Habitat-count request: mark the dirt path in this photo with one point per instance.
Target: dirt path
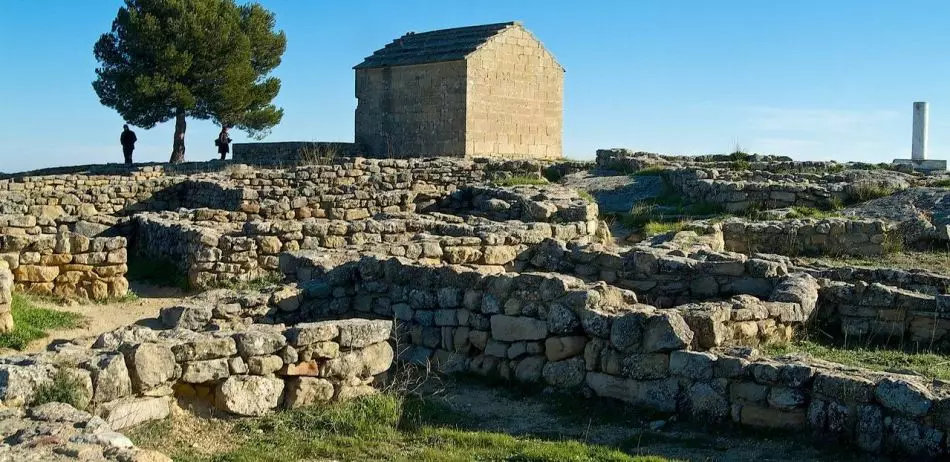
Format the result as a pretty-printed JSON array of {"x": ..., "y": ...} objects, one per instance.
[
  {"x": 613, "y": 424},
  {"x": 101, "y": 318}
]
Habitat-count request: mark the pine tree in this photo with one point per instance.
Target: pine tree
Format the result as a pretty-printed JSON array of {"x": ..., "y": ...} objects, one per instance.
[{"x": 204, "y": 59}]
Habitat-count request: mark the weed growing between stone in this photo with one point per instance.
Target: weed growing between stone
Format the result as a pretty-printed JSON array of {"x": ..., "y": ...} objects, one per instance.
[
  {"x": 32, "y": 322},
  {"x": 520, "y": 181},
  {"x": 64, "y": 388},
  {"x": 380, "y": 427},
  {"x": 258, "y": 283}
]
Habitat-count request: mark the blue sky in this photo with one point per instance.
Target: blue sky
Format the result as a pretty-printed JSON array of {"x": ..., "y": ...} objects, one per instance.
[{"x": 813, "y": 79}]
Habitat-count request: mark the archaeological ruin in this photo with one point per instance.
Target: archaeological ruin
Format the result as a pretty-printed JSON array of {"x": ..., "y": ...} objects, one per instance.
[{"x": 511, "y": 269}]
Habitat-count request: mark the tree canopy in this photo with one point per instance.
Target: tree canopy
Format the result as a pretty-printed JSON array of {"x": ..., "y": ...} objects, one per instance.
[{"x": 204, "y": 59}]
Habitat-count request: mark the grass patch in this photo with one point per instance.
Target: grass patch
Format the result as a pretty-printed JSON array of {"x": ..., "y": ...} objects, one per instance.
[
  {"x": 31, "y": 322},
  {"x": 380, "y": 427},
  {"x": 944, "y": 183},
  {"x": 520, "y": 181},
  {"x": 864, "y": 192},
  {"x": 880, "y": 359},
  {"x": 64, "y": 388},
  {"x": 157, "y": 272},
  {"x": 811, "y": 212},
  {"x": 651, "y": 171},
  {"x": 586, "y": 196},
  {"x": 268, "y": 279},
  {"x": 937, "y": 261},
  {"x": 653, "y": 228}
]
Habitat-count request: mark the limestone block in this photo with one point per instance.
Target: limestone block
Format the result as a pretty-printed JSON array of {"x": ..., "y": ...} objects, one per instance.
[
  {"x": 129, "y": 412},
  {"x": 249, "y": 395},
  {"x": 306, "y": 391}
]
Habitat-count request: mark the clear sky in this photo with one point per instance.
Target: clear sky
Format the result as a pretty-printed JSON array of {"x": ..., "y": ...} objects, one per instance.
[{"x": 813, "y": 79}]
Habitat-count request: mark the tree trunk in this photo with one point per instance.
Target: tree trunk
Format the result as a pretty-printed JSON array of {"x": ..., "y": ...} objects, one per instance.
[{"x": 178, "y": 144}]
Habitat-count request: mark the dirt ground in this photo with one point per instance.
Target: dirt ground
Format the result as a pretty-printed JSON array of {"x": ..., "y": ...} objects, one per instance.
[{"x": 99, "y": 318}]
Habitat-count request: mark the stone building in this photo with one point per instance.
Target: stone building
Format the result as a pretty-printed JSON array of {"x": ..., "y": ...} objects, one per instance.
[{"x": 481, "y": 91}]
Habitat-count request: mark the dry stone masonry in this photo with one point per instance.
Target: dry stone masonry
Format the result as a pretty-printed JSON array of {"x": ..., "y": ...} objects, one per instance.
[{"x": 428, "y": 261}]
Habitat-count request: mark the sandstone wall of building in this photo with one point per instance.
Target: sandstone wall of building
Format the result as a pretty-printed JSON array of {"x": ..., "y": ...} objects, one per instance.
[
  {"x": 514, "y": 99},
  {"x": 408, "y": 111}
]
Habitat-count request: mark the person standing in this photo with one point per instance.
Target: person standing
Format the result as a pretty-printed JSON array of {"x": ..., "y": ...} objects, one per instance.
[
  {"x": 223, "y": 141},
  {"x": 128, "y": 140}
]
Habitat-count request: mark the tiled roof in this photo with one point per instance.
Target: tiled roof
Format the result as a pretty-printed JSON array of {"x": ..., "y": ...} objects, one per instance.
[{"x": 434, "y": 46}]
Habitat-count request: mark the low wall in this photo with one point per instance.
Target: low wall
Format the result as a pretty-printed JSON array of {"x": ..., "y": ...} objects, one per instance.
[
  {"x": 595, "y": 339},
  {"x": 291, "y": 152},
  {"x": 828, "y": 236},
  {"x": 67, "y": 265},
  {"x": 129, "y": 375}
]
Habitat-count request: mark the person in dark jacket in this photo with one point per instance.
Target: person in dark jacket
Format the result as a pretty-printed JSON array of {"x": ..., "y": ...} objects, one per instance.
[
  {"x": 128, "y": 140},
  {"x": 223, "y": 141}
]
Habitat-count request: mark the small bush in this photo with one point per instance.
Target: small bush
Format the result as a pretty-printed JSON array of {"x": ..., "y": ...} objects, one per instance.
[
  {"x": 319, "y": 154},
  {"x": 740, "y": 165},
  {"x": 31, "y": 322},
  {"x": 64, "y": 388},
  {"x": 520, "y": 181}
]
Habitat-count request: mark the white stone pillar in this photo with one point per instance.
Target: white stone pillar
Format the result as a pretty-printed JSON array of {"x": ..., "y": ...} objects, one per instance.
[{"x": 919, "y": 147}]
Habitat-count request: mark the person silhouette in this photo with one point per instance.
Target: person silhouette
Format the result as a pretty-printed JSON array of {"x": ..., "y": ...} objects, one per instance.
[
  {"x": 128, "y": 140},
  {"x": 223, "y": 141}
]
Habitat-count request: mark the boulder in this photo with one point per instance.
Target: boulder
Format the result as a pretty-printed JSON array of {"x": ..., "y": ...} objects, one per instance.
[
  {"x": 150, "y": 365},
  {"x": 305, "y": 391},
  {"x": 257, "y": 342},
  {"x": 517, "y": 328},
  {"x": 193, "y": 316},
  {"x": 358, "y": 333},
  {"x": 110, "y": 377},
  {"x": 127, "y": 412},
  {"x": 666, "y": 331},
  {"x": 564, "y": 374}
]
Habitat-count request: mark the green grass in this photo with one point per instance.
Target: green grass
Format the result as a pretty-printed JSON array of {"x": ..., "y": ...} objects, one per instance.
[
  {"x": 519, "y": 181},
  {"x": 381, "y": 427},
  {"x": 586, "y": 196},
  {"x": 157, "y": 272},
  {"x": 268, "y": 279},
  {"x": 31, "y": 322},
  {"x": 944, "y": 183},
  {"x": 868, "y": 191},
  {"x": 811, "y": 212},
  {"x": 653, "y": 228},
  {"x": 880, "y": 359},
  {"x": 64, "y": 388}
]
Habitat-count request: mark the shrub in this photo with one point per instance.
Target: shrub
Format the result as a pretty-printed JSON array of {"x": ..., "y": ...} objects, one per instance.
[
  {"x": 319, "y": 154},
  {"x": 863, "y": 192},
  {"x": 64, "y": 388}
]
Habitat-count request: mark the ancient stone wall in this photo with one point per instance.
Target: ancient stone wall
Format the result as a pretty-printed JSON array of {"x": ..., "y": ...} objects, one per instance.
[
  {"x": 827, "y": 236},
  {"x": 289, "y": 153},
  {"x": 130, "y": 373},
  {"x": 6, "y": 297},
  {"x": 215, "y": 247},
  {"x": 593, "y": 338},
  {"x": 514, "y": 98},
  {"x": 417, "y": 110},
  {"x": 67, "y": 264}
]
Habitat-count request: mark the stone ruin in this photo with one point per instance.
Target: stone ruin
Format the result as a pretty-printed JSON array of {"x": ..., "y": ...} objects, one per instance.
[{"x": 427, "y": 261}]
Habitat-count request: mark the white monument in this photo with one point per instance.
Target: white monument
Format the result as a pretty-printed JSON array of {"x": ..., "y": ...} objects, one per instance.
[{"x": 918, "y": 151}]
